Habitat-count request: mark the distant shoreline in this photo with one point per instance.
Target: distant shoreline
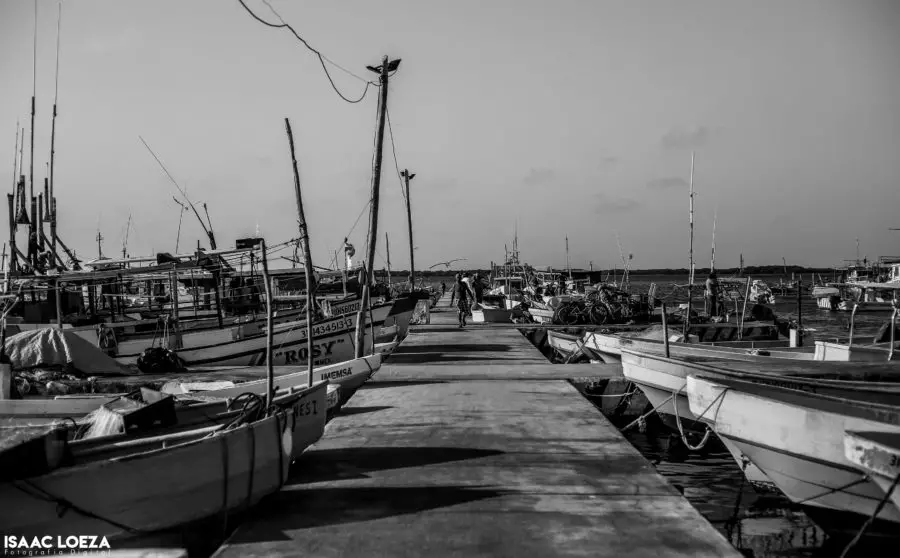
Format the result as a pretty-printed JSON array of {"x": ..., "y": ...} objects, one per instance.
[{"x": 750, "y": 270}]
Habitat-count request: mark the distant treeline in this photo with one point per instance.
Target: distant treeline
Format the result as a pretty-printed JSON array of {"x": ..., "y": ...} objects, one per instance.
[{"x": 748, "y": 270}]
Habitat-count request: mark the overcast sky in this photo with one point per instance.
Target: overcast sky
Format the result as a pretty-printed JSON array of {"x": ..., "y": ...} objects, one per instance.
[{"x": 574, "y": 117}]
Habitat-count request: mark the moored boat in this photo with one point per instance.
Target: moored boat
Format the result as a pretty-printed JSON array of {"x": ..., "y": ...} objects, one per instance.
[
  {"x": 877, "y": 454},
  {"x": 144, "y": 485},
  {"x": 796, "y": 439}
]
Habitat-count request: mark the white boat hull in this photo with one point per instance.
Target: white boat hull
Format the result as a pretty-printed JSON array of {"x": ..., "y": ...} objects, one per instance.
[
  {"x": 349, "y": 375},
  {"x": 878, "y": 455},
  {"x": 799, "y": 448},
  {"x": 660, "y": 382},
  {"x": 148, "y": 487}
]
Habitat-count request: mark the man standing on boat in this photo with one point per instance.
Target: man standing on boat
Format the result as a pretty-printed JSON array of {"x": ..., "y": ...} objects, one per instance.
[
  {"x": 463, "y": 295},
  {"x": 712, "y": 294},
  {"x": 478, "y": 288}
]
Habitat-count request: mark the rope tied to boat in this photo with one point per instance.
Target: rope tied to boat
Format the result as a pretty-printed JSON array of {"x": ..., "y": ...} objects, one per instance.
[
  {"x": 641, "y": 419},
  {"x": 871, "y": 519},
  {"x": 63, "y": 505},
  {"x": 706, "y": 434},
  {"x": 862, "y": 479}
]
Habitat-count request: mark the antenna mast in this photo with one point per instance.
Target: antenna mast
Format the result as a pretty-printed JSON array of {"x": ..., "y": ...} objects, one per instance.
[{"x": 712, "y": 261}]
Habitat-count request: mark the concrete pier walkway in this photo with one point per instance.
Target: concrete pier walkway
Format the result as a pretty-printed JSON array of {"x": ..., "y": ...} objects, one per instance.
[{"x": 438, "y": 456}]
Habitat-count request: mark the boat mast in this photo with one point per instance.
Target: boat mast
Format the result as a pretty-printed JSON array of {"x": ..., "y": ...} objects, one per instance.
[
  {"x": 387, "y": 243},
  {"x": 31, "y": 225},
  {"x": 51, "y": 198},
  {"x": 207, "y": 230},
  {"x": 691, "y": 222},
  {"x": 568, "y": 268},
  {"x": 307, "y": 257},
  {"x": 384, "y": 71}
]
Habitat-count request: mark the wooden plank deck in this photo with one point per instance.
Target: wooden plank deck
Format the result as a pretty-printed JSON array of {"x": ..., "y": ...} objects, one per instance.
[{"x": 468, "y": 467}]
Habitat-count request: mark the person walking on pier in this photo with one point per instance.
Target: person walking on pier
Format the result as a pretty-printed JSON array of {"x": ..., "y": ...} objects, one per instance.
[
  {"x": 443, "y": 289},
  {"x": 463, "y": 296},
  {"x": 712, "y": 294}
]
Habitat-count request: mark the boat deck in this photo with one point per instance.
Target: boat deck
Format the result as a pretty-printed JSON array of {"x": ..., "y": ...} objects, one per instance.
[{"x": 436, "y": 457}]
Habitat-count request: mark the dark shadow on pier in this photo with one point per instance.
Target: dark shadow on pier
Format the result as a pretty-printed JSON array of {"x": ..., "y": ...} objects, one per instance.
[
  {"x": 363, "y": 410},
  {"x": 400, "y": 358},
  {"x": 321, "y": 507},
  {"x": 355, "y": 463},
  {"x": 375, "y": 383},
  {"x": 451, "y": 348}
]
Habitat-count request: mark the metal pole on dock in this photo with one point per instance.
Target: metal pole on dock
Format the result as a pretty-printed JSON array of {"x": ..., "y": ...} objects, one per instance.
[
  {"x": 58, "y": 289},
  {"x": 308, "y": 267},
  {"x": 665, "y": 325},
  {"x": 744, "y": 311},
  {"x": 412, "y": 274},
  {"x": 173, "y": 282},
  {"x": 373, "y": 211},
  {"x": 799, "y": 314},
  {"x": 270, "y": 370}
]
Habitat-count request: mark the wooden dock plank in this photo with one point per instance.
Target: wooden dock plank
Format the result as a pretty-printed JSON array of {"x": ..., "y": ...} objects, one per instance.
[
  {"x": 469, "y": 469},
  {"x": 391, "y": 372}
]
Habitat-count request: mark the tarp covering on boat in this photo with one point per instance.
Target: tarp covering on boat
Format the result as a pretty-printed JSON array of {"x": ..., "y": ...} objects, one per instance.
[{"x": 50, "y": 347}]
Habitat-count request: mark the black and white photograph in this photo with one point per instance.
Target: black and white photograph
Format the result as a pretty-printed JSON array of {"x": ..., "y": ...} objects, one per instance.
[{"x": 422, "y": 279}]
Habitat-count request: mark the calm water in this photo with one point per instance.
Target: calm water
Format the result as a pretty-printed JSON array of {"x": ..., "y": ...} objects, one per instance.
[{"x": 764, "y": 525}]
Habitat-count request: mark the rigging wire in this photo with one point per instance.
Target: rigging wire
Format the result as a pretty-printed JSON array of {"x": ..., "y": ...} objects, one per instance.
[
  {"x": 394, "y": 151},
  {"x": 321, "y": 57}
]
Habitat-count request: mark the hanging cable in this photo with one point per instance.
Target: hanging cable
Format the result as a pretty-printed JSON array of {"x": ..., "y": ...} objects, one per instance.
[
  {"x": 394, "y": 151},
  {"x": 322, "y": 58}
]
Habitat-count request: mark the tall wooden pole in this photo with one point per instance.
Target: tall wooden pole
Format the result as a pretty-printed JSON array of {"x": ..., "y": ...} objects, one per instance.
[
  {"x": 31, "y": 225},
  {"x": 387, "y": 244},
  {"x": 173, "y": 282},
  {"x": 373, "y": 211},
  {"x": 307, "y": 257},
  {"x": 51, "y": 200},
  {"x": 691, "y": 269},
  {"x": 412, "y": 267},
  {"x": 270, "y": 335}
]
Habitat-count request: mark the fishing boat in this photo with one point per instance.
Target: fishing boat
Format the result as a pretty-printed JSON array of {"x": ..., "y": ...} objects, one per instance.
[
  {"x": 877, "y": 454},
  {"x": 796, "y": 439},
  {"x": 348, "y": 375},
  {"x": 752, "y": 335},
  {"x": 863, "y": 296},
  {"x": 45, "y": 411},
  {"x": 663, "y": 381},
  {"x": 118, "y": 489}
]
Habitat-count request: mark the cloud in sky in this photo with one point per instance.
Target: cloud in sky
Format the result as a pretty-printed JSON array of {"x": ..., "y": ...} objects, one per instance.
[
  {"x": 609, "y": 204},
  {"x": 538, "y": 177},
  {"x": 685, "y": 138},
  {"x": 667, "y": 182}
]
